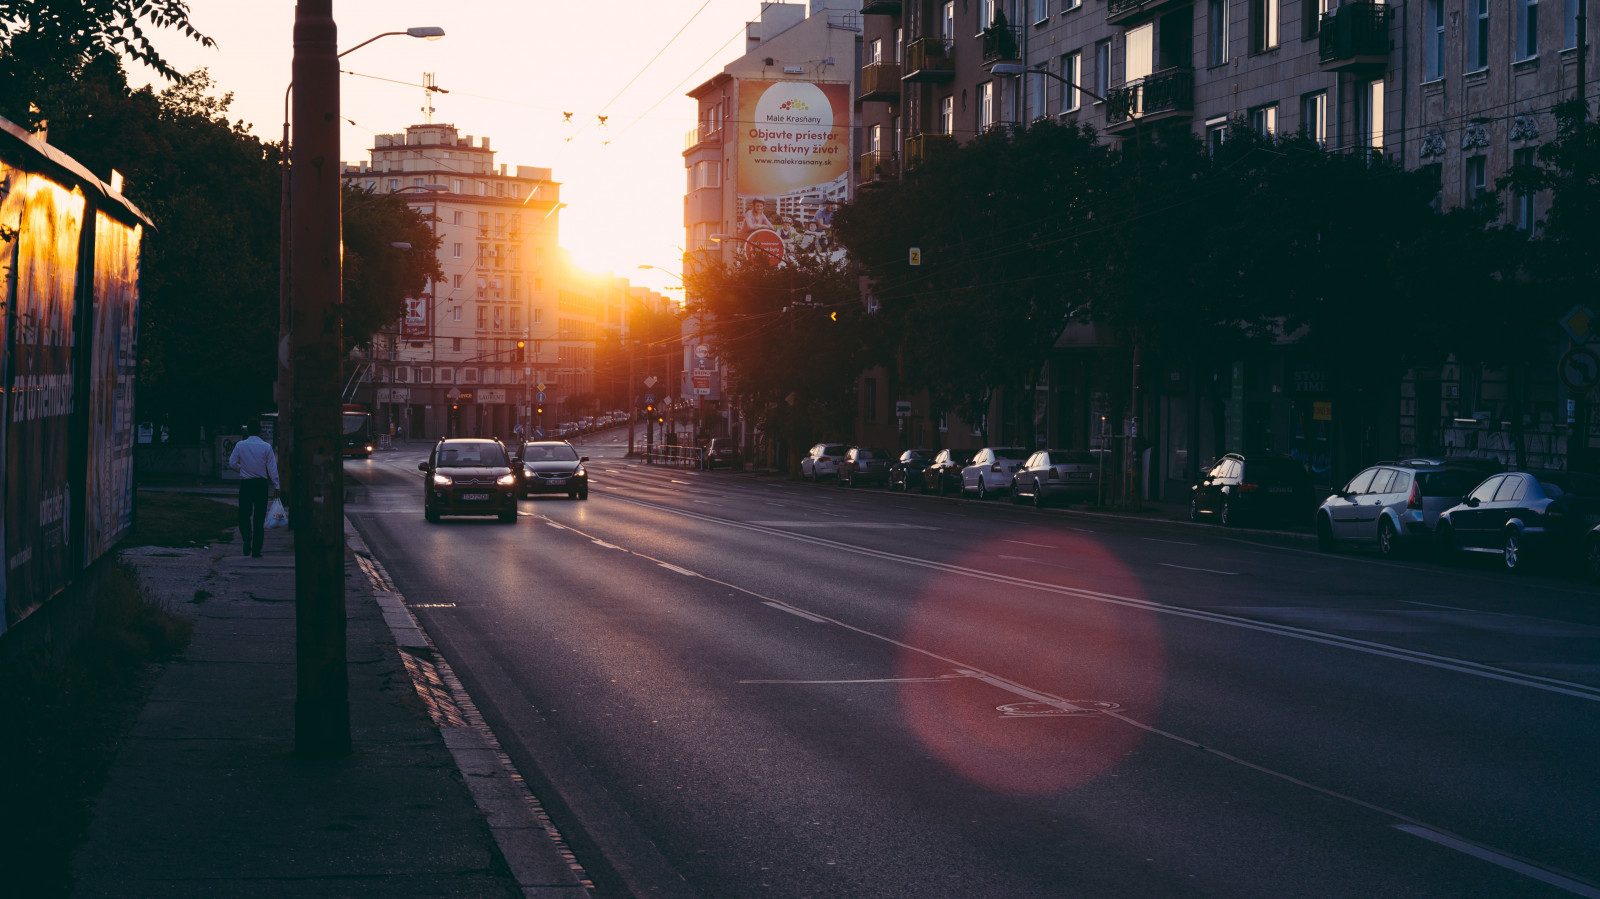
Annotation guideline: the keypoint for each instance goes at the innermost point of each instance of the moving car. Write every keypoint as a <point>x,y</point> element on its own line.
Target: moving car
<point>469,477</point>
<point>864,465</point>
<point>1257,486</point>
<point>943,474</point>
<point>1051,473</point>
<point>1521,514</point>
<point>822,461</point>
<point>991,470</point>
<point>906,472</point>
<point>721,454</point>
<point>1393,505</point>
<point>553,466</point>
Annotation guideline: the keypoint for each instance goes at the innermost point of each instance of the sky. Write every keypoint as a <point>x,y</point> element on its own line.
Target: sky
<point>512,69</point>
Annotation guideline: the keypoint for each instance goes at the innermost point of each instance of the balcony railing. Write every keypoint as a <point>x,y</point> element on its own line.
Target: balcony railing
<point>880,81</point>
<point>1157,94</point>
<point>930,59</point>
<point>702,135</point>
<point>1118,11</point>
<point>1002,127</point>
<point>919,146</point>
<point>881,7</point>
<point>878,166</point>
<point>1355,35</point>
<point>1002,43</point>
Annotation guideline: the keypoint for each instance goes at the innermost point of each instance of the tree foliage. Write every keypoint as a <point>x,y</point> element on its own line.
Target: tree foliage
<point>378,275</point>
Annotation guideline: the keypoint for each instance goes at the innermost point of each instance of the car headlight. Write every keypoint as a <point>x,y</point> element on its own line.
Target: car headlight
<point>442,480</point>
<point>507,480</point>
<point>580,473</point>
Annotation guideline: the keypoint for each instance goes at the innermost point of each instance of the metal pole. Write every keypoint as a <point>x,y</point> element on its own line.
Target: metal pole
<point>633,412</point>
<point>1583,54</point>
<point>322,704</point>
<point>1132,453</point>
<point>284,436</point>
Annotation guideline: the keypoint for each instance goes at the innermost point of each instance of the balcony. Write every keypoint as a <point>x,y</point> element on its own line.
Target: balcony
<point>880,7</point>
<point>1355,37</point>
<point>1166,94</point>
<point>881,81</point>
<point>1002,43</point>
<point>879,166</point>
<point>1119,11</point>
<point>930,59</point>
<point>920,146</point>
<point>705,134</point>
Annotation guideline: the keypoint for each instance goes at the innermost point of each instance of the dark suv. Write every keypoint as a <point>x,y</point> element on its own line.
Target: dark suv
<point>553,466</point>
<point>1257,486</point>
<point>469,477</point>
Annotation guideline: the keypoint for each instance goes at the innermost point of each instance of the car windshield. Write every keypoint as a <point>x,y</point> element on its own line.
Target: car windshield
<point>1011,452</point>
<point>915,456</point>
<point>962,457</point>
<point>1450,482</point>
<point>545,452</point>
<point>1568,484</point>
<point>1073,459</point>
<point>472,455</point>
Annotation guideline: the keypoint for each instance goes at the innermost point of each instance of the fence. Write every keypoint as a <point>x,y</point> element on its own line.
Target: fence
<point>674,456</point>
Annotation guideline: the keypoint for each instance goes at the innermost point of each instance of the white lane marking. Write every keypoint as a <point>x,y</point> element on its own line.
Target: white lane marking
<point>1483,853</point>
<point>875,525</point>
<point>559,527</point>
<point>705,502</point>
<point>943,678</point>
<point>1026,543</point>
<point>1159,540</point>
<point>684,483</point>
<point>1017,689</point>
<point>605,545</point>
<point>771,503</point>
<point>1368,647</point>
<point>1080,530</point>
<point>829,514</point>
<point>683,571</point>
<point>1206,570</point>
<point>796,612</point>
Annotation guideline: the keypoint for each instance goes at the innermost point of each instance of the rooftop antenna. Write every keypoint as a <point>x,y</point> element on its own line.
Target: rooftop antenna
<point>429,88</point>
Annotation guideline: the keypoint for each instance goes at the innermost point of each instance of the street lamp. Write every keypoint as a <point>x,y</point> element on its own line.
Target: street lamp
<point>1017,68</point>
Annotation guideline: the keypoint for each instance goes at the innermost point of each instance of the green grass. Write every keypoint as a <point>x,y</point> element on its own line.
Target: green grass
<point>181,519</point>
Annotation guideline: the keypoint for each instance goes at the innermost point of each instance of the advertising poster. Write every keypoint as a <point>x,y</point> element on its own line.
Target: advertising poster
<point>115,334</point>
<point>40,392</point>
<point>793,164</point>
<point>418,321</point>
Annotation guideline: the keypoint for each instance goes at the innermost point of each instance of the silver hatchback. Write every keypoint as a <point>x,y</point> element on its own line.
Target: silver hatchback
<point>1394,505</point>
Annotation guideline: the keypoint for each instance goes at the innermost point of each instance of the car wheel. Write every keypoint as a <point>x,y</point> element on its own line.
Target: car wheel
<point>1388,539</point>
<point>1194,508</point>
<point>1511,552</point>
<point>583,494</point>
<point>431,515</point>
<point>572,494</point>
<point>1038,495</point>
<point>1016,495</point>
<point>1228,517</point>
<point>1324,534</point>
<point>983,488</point>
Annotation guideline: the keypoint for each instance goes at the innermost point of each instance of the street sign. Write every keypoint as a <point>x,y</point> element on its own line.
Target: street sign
<point>454,393</point>
<point>902,408</point>
<point>1579,369</point>
<point>541,396</point>
<point>648,382</point>
<point>649,397</point>
<point>916,256</point>
<point>701,351</point>
<point>539,387</point>
<point>1579,323</point>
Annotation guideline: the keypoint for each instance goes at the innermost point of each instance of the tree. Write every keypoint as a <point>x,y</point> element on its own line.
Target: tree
<point>378,275</point>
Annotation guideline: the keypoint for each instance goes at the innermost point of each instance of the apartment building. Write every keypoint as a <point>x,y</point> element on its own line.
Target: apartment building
<point>452,366</point>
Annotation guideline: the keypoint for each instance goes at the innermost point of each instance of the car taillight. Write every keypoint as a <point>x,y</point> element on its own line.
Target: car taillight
<point>1249,488</point>
<point>1415,502</point>
<point>1555,510</point>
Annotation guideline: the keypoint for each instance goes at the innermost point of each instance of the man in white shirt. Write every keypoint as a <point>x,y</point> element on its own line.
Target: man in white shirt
<point>257,465</point>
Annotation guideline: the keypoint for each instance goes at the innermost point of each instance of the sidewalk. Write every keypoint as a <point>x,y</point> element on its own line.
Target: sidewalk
<point>206,797</point>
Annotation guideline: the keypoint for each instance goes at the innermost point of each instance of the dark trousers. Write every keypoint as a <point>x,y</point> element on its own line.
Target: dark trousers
<point>253,513</point>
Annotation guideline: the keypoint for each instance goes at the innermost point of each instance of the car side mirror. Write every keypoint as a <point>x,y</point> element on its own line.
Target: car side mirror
<point>583,458</point>
<point>1471,501</point>
<point>422,467</point>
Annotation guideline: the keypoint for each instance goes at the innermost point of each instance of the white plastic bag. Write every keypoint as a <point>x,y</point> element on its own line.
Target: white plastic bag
<point>276,517</point>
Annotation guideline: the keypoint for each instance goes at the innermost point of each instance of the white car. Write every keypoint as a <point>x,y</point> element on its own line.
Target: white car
<point>822,461</point>
<point>991,470</point>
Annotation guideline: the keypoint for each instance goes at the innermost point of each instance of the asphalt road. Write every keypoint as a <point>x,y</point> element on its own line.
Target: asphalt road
<point>726,685</point>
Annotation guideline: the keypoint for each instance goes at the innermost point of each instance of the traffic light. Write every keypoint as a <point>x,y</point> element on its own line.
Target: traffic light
<point>521,353</point>
<point>650,407</point>
<point>454,407</point>
<point>540,410</point>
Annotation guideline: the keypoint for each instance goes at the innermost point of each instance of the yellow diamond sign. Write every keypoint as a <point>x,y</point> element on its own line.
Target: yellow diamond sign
<point>1579,323</point>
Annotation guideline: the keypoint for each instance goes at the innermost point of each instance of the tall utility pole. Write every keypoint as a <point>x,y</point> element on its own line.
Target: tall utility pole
<point>316,484</point>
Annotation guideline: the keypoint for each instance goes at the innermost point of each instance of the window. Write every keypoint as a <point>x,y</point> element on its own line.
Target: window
<point>1041,10</point>
<point>1527,45</point>
<point>538,316</point>
<point>947,20</point>
<point>1037,107</point>
<point>538,285</point>
<point>516,319</point>
<point>1524,199</point>
<point>456,251</point>
<point>1478,38</point>
<point>1263,25</point>
<point>1102,67</point>
<point>516,287</point>
<point>483,189</point>
<point>483,288</point>
<point>1216,134</point>
<point>455,314</point>
<point>455,344</point>
<point>1371,102</point>
<point>446,375</point>
<point>1218,51</point>
<point>1314,117</point>
<point>483,318</point>
<point>483,347</point>
<point>1139,57</point>
<point>483,255</point>
<point>874,52</point>
<point>1433,41</point>
<point>458,218</point>
<point>986,11</point>
<point>456,282</point>
<point>499,188</point>
<point>424,376</point>
<point>1569,25</point>
<point>499,319</point>
<point>1264,119</point>
<point>1477,178</point>
<point>1072,70</point>
<point>394,184</point>
<point>706,174</point>
<point>401,374</point>
<point>483,222</point>
<point>985,105</point>
<point>1311,13</point>
<point>456,188</point>
<point>416,182</point>
<point>947,115</point>
<point>875,139</point>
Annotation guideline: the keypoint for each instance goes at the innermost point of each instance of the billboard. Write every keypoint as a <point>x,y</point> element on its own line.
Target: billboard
<point>417,323</point>
<point>114,343</point>
<point>792,163</point>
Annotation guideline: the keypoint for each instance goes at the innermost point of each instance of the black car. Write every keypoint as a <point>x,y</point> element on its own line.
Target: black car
<point>721,454</point>
<point>553,466</point>
<point>469,477</point>
<point>864,465</point>
<point>1263,487</point>
<point>906,472</point>
<point>1524,513</point>
<point>943,474</point>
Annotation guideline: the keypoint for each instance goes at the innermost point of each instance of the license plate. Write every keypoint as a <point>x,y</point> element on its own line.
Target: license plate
<point>470,497</point>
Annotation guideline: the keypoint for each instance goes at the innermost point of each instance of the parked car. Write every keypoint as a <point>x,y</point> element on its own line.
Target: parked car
<point>906,472</point>
<point>468,477</point>
<point>1394,505</point>
<point>943,474</point>
<point>1051,473</point>
<point>1255,487</point>
<point>1591,553</point>
<point>553,466</point>
<point>864,465</point>
<point>721,454</point>
<point>991,470</point>
<point>1523,514</point>
<point>822,461</point>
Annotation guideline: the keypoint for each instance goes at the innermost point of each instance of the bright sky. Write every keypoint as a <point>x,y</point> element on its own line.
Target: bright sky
<point>512,68</point>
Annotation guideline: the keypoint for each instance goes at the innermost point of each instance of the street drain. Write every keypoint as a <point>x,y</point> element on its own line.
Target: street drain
<point>1051,710</point>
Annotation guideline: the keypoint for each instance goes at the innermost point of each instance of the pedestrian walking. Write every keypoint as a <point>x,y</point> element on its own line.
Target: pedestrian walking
<point>257,465</point>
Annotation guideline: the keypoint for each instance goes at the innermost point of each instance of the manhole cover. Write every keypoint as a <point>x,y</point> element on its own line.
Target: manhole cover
<point>1049,710</point>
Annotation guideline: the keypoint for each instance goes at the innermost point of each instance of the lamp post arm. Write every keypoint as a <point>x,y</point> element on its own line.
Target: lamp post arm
<point>1018,70</point>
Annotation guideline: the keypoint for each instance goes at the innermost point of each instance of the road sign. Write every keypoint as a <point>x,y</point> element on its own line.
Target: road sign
<point>648,382</point>
<point>1579,322</point>
<point>454,393</point>
<point>541,396</point>
<point>1579,368</point>
<point>649,397</point>
<point>902,408</point>
<point>539,387</point>
<point>701,351</point>
<point>916,256</point>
